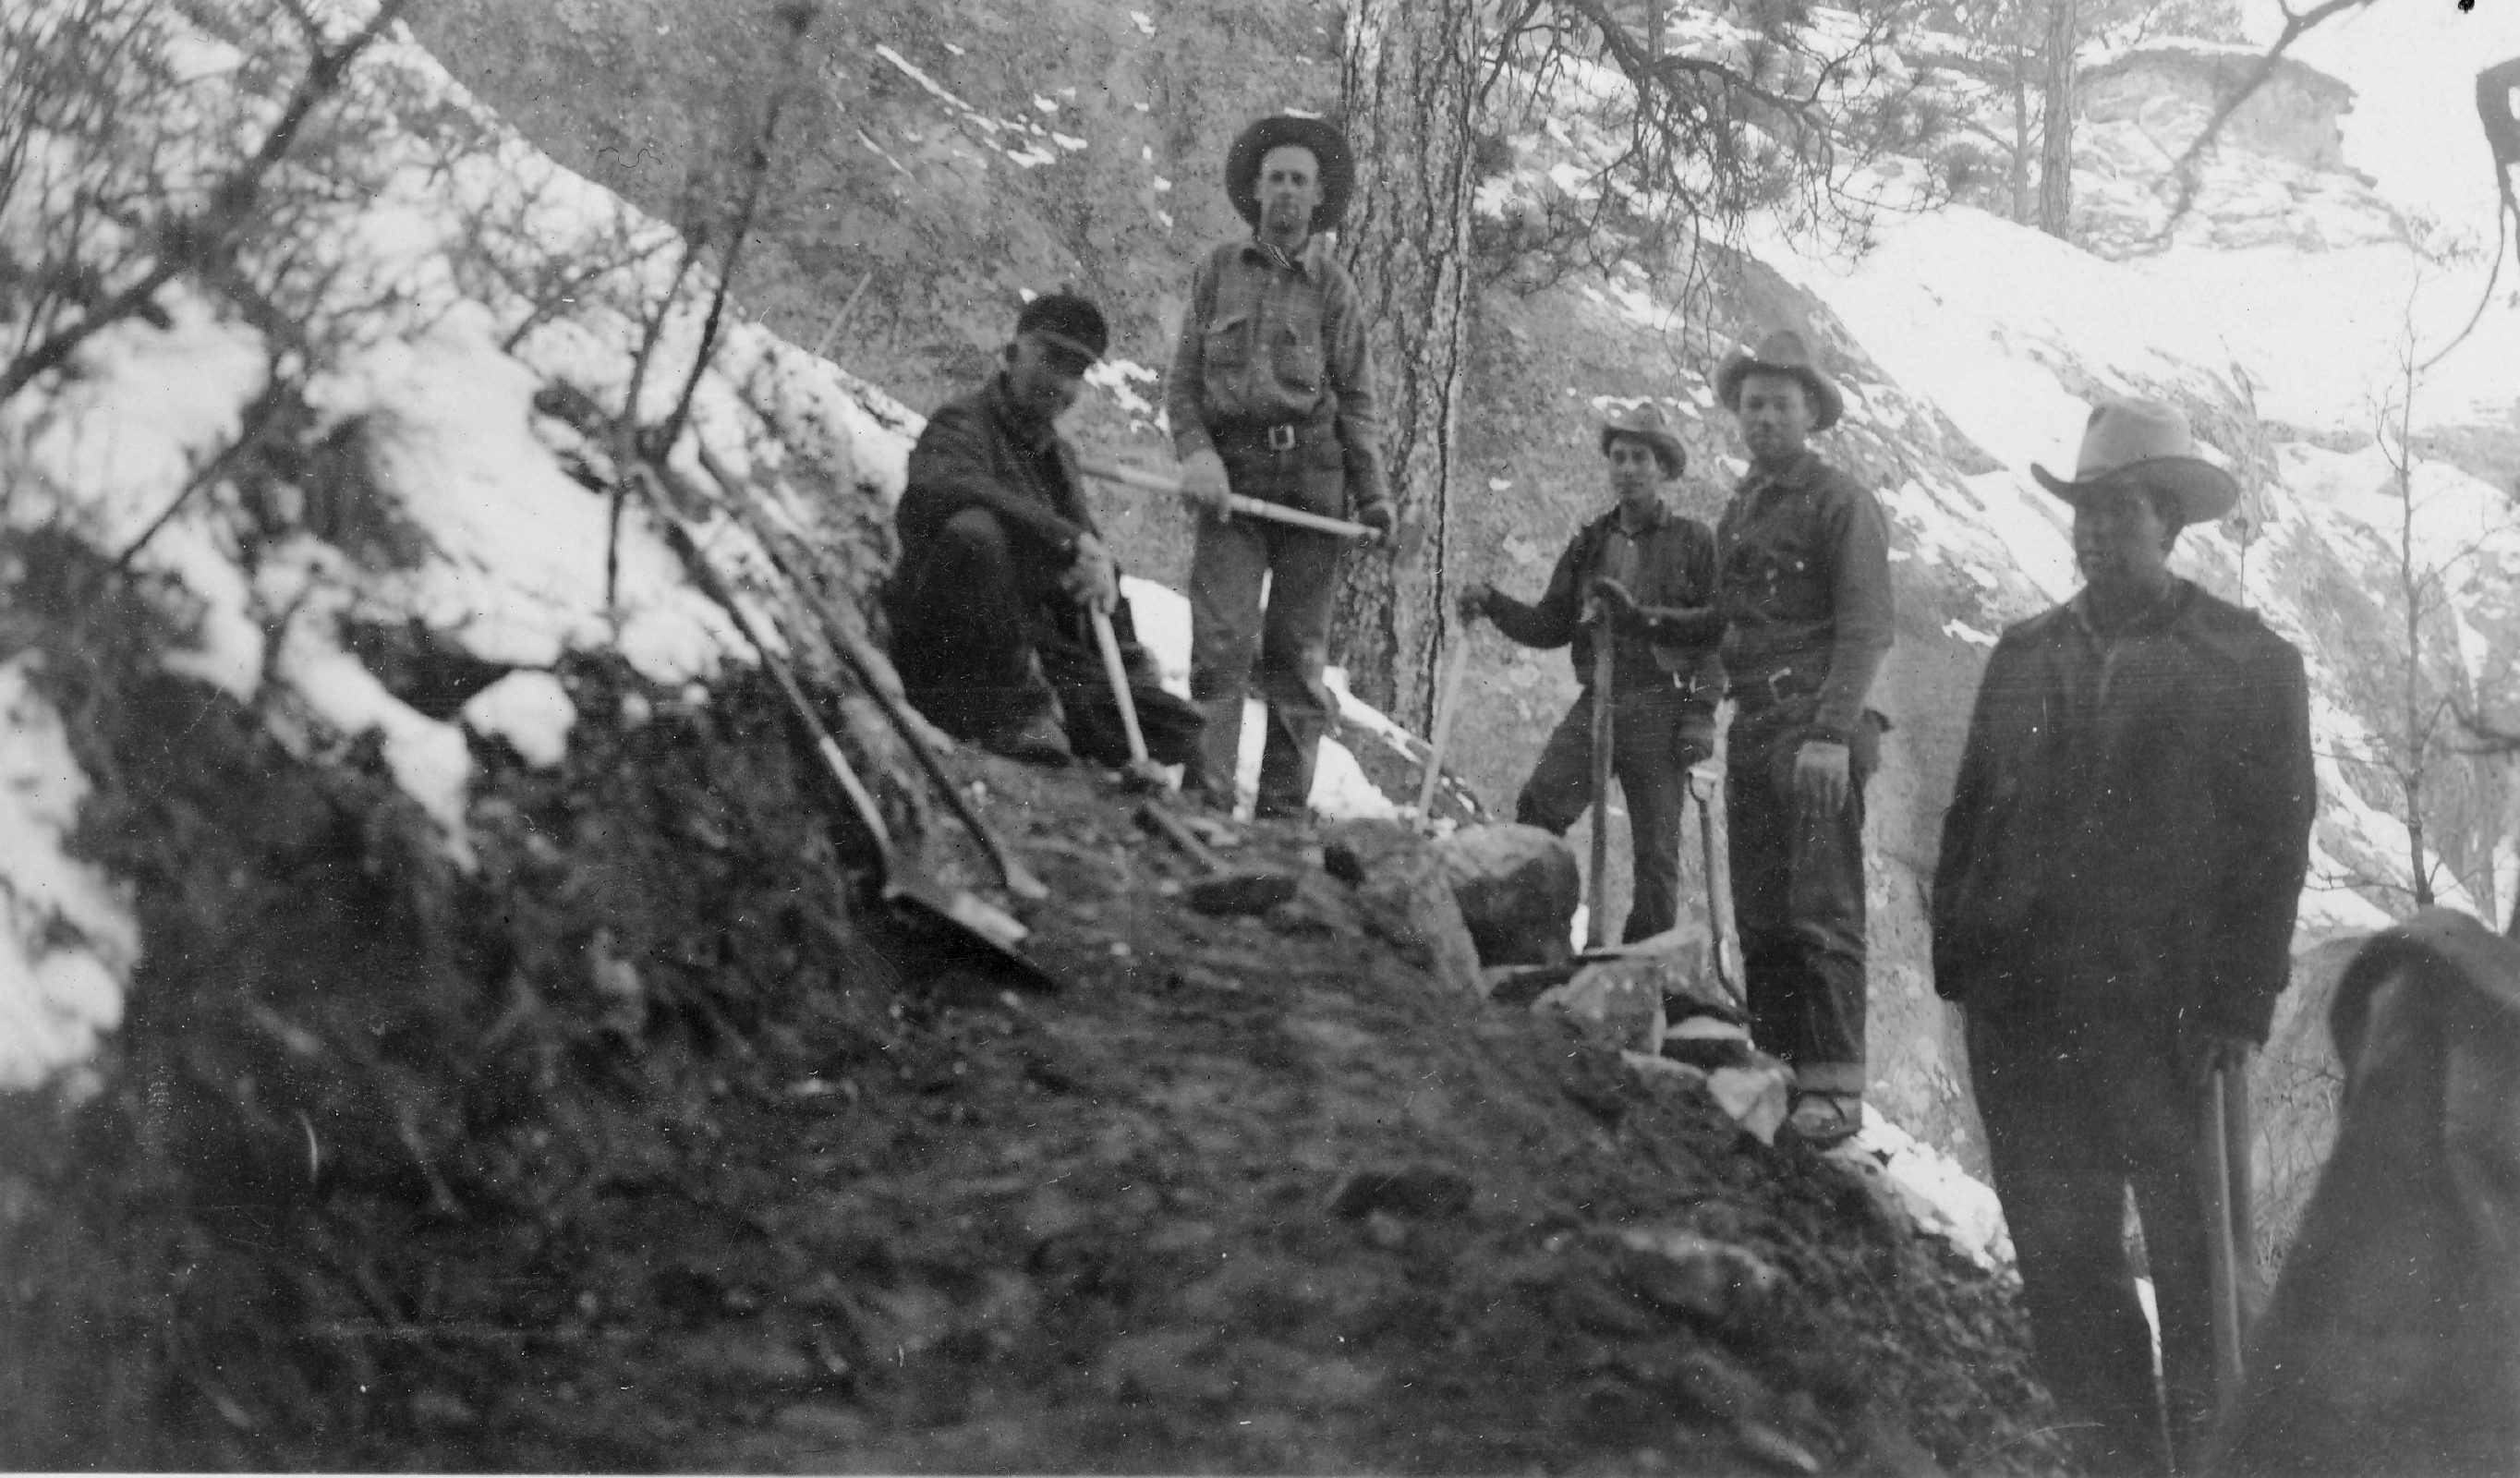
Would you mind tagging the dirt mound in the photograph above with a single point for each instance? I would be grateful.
(649, 1143)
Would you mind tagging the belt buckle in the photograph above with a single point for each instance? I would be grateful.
(1771, 681)
(1282, 436)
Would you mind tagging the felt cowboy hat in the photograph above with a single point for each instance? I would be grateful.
(1782, 352)
(2144, 441)
(1643, 422)
(1330, 150)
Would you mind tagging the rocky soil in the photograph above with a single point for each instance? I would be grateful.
(655, 1144)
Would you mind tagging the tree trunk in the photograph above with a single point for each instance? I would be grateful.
(1409, 73)
(2021, 54)
(2056, 131)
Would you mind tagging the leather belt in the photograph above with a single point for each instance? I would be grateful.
(1276, 437)
(1777, 686)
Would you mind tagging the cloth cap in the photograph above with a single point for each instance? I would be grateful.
(1067, 322)
(2146, 442)
(1643, 422)
(1782, 352)
(1330, 150)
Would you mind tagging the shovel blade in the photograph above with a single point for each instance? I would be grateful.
(971, 919)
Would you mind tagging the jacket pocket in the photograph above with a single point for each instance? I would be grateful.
(1298, 357)
(1228, 343)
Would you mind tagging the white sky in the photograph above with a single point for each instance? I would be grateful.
(2412, 65)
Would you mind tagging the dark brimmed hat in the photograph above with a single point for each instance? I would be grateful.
(1643, 422)
(2144, 443)
(1328, 147)
(1782, 352)
(1067, 322)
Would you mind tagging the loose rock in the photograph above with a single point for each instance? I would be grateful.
(1518, 887)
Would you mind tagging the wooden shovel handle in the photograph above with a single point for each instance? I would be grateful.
(1118, 672)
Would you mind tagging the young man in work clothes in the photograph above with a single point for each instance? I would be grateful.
(1636, 567)
(1001, 566)
(1805, 570)
(2114, 907)
(1270, 397)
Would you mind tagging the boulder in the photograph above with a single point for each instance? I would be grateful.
(1517, 888)
(1402, 893)
(1612, 1004)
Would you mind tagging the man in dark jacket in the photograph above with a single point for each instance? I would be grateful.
(1805, 563)
(2114, 907)
(1001, 566)
(1637, 567)
(1271, 396)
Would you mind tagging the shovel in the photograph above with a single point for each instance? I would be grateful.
(2221, 1202)
(964, 913)
(1142, 773)
(1699, 791)
(862, 663)
(1446, 704)
(1597, 925)
(1222, 890)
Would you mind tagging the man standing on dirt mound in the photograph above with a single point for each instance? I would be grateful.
(2113, 907)
(1803, 562)
(1272, 397)
(1001, 566)
(1648, 571)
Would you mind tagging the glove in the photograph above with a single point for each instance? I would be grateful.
(1473, 602)
(1093, 580)
(1203, 484)
(2207, 1048)
(1381, 517)
(1822, 776)
(1689, 751)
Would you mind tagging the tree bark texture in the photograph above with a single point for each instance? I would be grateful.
(2057, 131)
(1410, 77)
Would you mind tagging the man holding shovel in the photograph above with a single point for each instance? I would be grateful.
(1635, 573)
(1003, 573)
(2114, 907)
(1271, 396)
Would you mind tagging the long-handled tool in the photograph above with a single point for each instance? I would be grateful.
(2220, 1261)
(1219, 889)
(1596, 926)
(1700, 785)
(1294, 517)
(1447, 703)
(1142, 773)
(965, 913)
(862, 663)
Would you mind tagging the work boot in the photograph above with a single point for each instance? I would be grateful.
(1036, 738)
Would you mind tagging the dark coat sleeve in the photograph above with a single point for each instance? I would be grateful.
(953, 468)
(1956, 921)
(2271, 798)
(1558, 617)
(1698, 628)
(1865, 623)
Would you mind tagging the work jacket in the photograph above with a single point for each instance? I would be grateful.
(1669, 570)
(2132, 818)
(1805, 561)
(976, 451)
(1276, 345)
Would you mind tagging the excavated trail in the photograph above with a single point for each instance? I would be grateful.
(648, 1145)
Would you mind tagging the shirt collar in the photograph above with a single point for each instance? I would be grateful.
(1027, 433)
(1300, 263)
(1802, 471)
(2160, 613)
(1655, 518)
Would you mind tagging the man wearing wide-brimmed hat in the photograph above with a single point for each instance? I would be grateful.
(1272, 397)
(1644, 569)
(1000, 563)
(1805, 569)
(2113, 907)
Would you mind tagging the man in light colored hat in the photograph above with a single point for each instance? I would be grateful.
(1645, 570)
(1000, 563)
(2113, 909)
(1272, 397)
(1805, 570)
